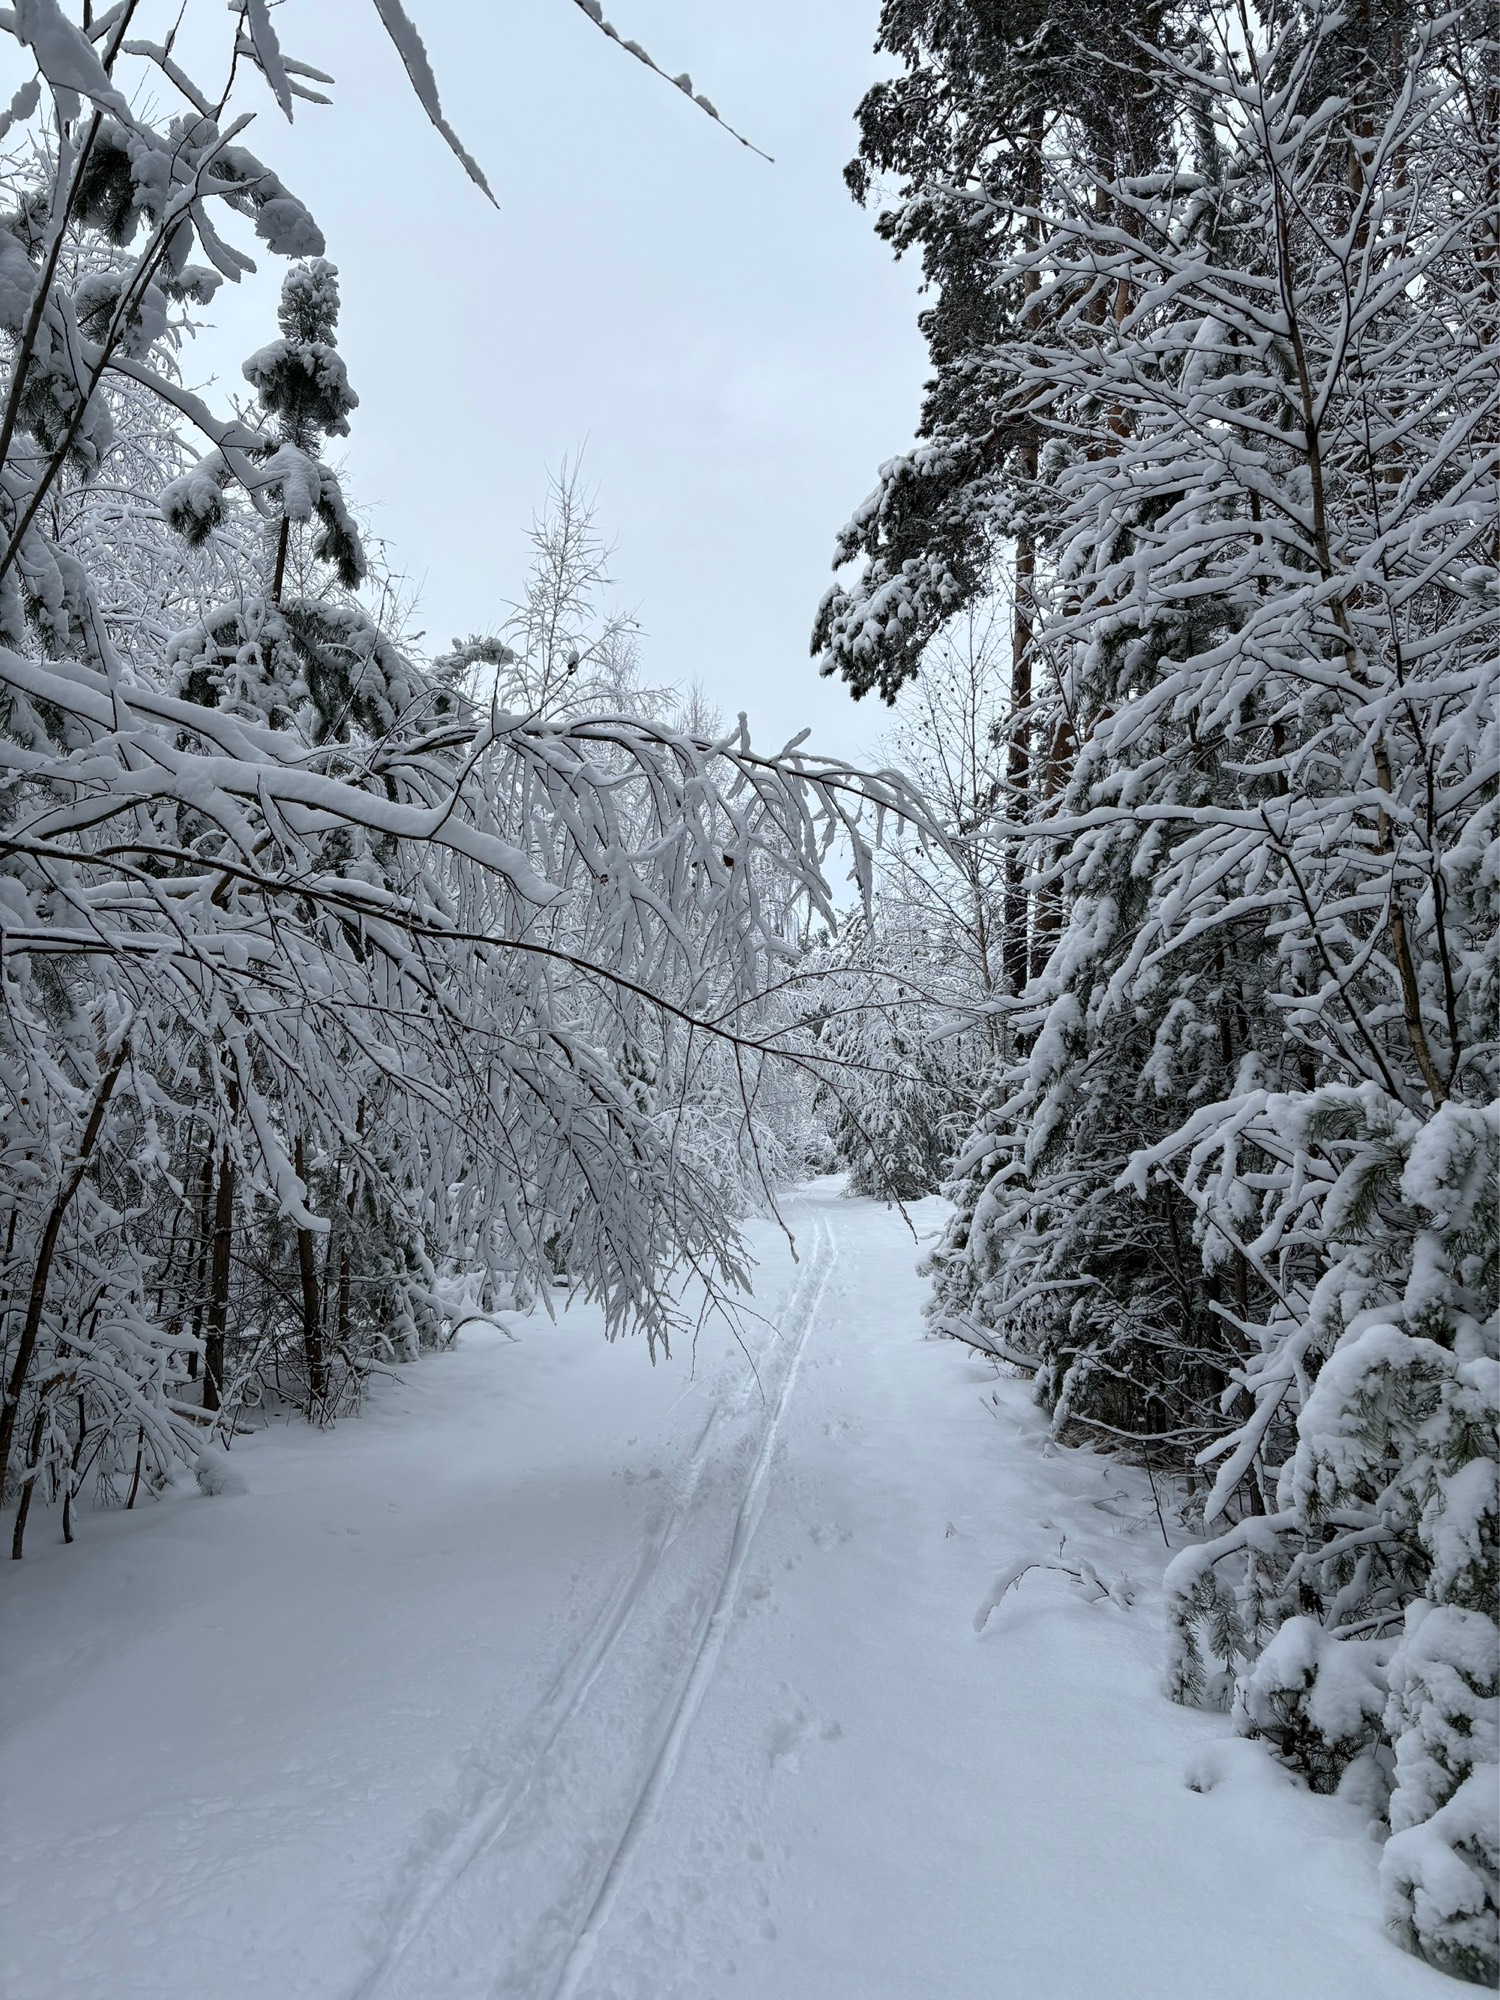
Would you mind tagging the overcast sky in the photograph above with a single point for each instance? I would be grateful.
(733, 345)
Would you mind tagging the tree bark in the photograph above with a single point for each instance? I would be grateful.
(1016, 948)
(18, 1533)
(200, 1263)
(37, 1298)
(312, 1313)
(278, 575)
(218, 1284)
(1015, 954)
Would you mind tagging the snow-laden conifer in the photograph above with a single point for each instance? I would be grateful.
(1231, 1199)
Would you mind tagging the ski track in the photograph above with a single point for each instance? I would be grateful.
(444, 1924)
(659, 1778)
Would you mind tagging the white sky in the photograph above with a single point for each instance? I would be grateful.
(734, 345)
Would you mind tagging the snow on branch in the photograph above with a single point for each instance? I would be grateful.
(684, 82)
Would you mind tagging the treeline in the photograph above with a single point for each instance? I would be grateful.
(1215, 336)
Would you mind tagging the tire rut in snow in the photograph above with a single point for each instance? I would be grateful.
(507, 1905)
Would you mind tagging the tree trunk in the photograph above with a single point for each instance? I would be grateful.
(278, 575)
(200, 1262)
(312, 1313)
(218, 1284)
(1016, 948)
(1047, 919)
(37, 1298)
(18, 1533)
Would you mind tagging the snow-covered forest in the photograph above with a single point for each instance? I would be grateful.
(394, 1038)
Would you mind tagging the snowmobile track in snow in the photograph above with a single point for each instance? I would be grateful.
(502, 1901)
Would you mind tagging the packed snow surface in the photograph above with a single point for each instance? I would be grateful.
(556, 1674)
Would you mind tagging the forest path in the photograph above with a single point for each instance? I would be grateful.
(557, 1677)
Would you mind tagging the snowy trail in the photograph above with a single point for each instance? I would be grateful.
(706, 1654)
(601, 1747)
(557, 1677)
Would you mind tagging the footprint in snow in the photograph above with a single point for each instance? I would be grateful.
(754, 1590)
(790, 1737)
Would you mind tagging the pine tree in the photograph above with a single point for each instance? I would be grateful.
(1224, 1203)
(988, 94)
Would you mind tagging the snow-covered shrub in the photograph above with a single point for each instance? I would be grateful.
(1319, 1699)
(1377, 1571)
(216, 1474)
(1441, 1867)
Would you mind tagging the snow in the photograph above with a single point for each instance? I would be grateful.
(64, 56)
(413, 53)
(557, 1674)
(217, 1473)
(1428, 1868)
(1343, 1681)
